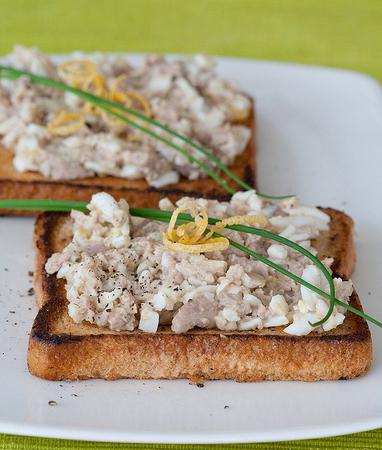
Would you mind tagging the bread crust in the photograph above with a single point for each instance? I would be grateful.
(338, 242)
(32, 185)
(59, 349)
(198, 355)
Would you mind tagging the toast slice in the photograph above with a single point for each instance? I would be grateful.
(32, 185)
(60, 349)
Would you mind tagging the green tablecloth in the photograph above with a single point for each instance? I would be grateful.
(360, 441)
(340, 33)
(343, 33)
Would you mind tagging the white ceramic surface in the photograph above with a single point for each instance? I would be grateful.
(319, 135)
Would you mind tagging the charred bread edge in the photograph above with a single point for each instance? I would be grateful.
(341, 238)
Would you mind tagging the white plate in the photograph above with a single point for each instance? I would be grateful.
(320, 135)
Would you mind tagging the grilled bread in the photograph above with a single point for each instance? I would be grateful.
(60, 349)
(32, 185)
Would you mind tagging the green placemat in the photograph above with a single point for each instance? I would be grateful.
(360, 441)
(339, 33)
(343, 33)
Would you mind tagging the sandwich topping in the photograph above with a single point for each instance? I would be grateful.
(121, 272)
(60, 136)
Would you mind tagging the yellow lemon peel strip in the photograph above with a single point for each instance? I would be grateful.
(257, 219)
(127, 99)
(171, 225)
(83, 74)
(145, 108)
(250, 220)
(213, 245)
(113, 121)
(119, 97)
(76, 72)
(115, 88)
(192, 232)
(116, 94)
(193, 237)
(141, 100)
(95, 85)
(65, 123)
(189, 237)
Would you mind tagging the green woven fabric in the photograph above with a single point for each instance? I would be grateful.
(361, 441)
(344, 33)
(340, 33)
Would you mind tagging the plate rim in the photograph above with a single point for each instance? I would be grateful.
(277, 435)
(92, 435)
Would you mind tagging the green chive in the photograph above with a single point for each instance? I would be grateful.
(164, 216)
(11, 73)
(42, 205)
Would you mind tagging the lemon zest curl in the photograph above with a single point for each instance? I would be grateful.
(195, 237)
(83, 74)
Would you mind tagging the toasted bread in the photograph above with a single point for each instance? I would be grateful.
(32, 185)
(60, 349)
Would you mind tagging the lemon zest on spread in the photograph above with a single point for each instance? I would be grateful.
(192, 232)
(127, 96)
(174, 217)
(113, 121)
(119, 97)
(141, 100)
(256, 219)
(95, 85)
(195, 237)
(116, 84)
(65, 123)
(190, 237)
(213, 245)
(76, 72)
(83, 74)
(143, 106)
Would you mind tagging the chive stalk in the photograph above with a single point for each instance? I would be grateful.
(103, 103)
(164, 216)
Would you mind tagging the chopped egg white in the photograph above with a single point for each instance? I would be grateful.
(149, 320)
(119, 274)
(276, 251)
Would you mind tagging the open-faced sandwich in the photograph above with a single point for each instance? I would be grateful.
(234, 285)
(123, 295)
(57, 145)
